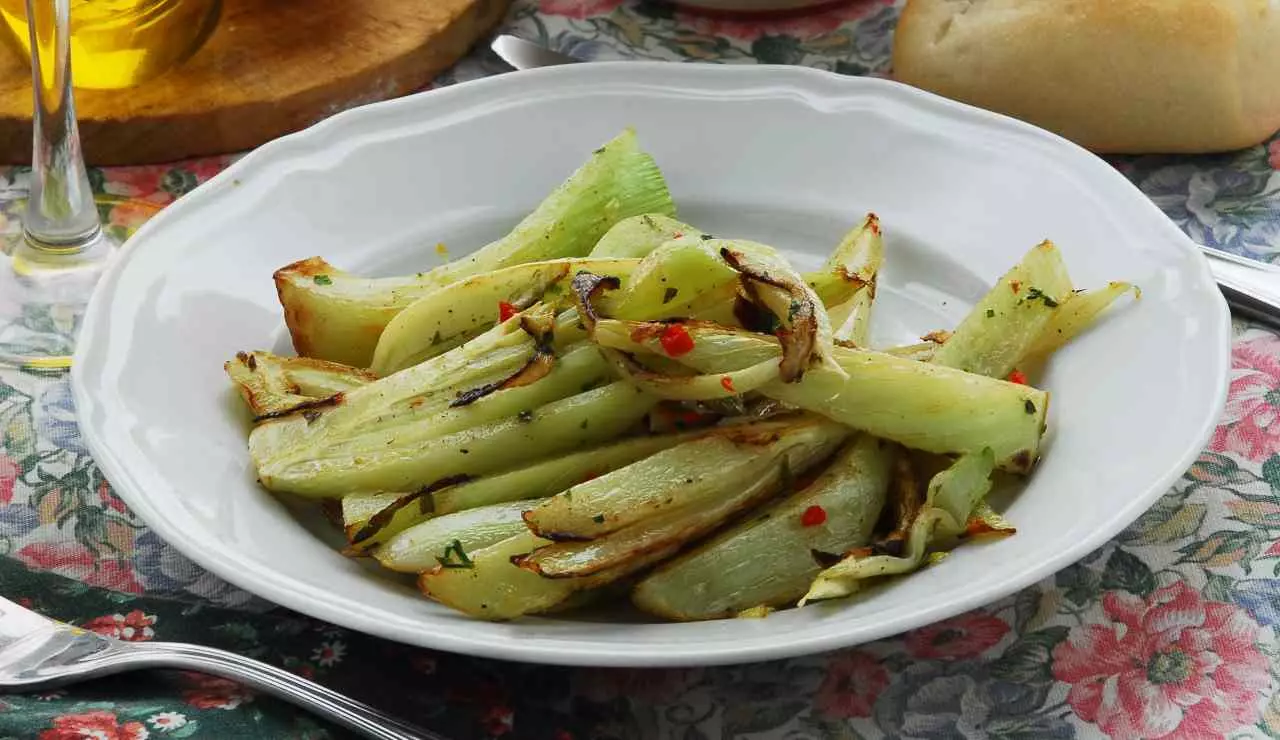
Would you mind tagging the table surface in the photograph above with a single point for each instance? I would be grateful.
(1169, 631)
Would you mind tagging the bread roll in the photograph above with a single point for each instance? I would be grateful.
(1112, 75)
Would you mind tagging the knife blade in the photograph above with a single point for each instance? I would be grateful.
(522, 54)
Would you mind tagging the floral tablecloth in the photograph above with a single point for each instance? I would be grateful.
(1170, 631)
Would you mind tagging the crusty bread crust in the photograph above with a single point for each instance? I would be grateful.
(1112, 75)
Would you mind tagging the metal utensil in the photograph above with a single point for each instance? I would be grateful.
(37, 653)
(1251, 288)
(523, 54)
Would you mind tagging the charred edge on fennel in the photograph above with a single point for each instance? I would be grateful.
(586, 288)
(310, 410)
(537, 368)
(380, 520)
(799, 340)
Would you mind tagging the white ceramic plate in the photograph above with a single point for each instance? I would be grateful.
(786, 156)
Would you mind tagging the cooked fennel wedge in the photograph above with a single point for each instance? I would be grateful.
(369, 519)
(427, 544)
(570, 423)
(692, 474)
(490, 586)
(551, 476)
(333, 315)
(680, 523)
(852, 319)
(953, 496)
(769, 559)
(924, 406)
(497, 354)
(460, 311)
(272, 385)
(499, 358)
(639, 235)
(852, 267)
(395, 513)
(359, 508)
(389, 436)
(664, 531)
(1076, 314)
(1009, 320)
(670, 278)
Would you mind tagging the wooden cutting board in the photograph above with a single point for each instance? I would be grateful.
(270, 67)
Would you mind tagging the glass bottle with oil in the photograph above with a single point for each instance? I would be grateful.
(120, 43)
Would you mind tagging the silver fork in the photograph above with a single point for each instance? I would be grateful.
(38, 653)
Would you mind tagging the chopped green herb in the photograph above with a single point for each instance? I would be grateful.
(599, 151)
(583, 425)
(525, 416)
(1037, 294)
(598, 518)
(668, 294)
(1031, 407)
(707, 237)
(455, 557)
(323, 280)
(991, 313)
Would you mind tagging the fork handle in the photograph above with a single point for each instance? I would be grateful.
(354, 715)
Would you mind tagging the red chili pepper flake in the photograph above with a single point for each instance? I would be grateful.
(506, 310)
(1016, 285)
(690, 417)
(873, 223)
(677, 234)
(676, 341)
(1019, 377)
(727, 383)
(813, 516)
